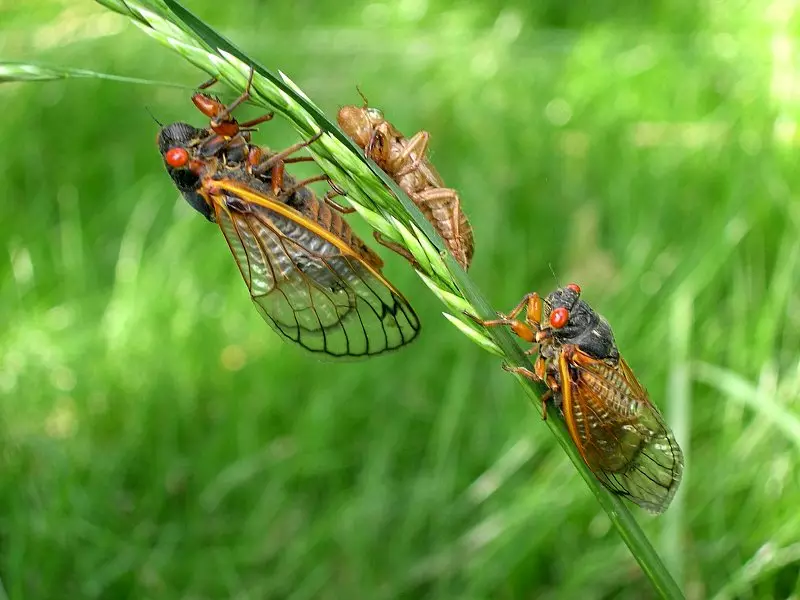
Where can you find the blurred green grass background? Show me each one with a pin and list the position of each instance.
(157, 440)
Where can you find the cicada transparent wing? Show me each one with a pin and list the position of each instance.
(620, 434)
(312, 287)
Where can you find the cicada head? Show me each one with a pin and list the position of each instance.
(177, 135)
(175, 143)
(359, 123)
(572, 321)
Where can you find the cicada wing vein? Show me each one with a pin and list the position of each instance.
(312, 287)
(620, 434)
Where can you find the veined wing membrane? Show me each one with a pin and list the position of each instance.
(307, 283)
(620, 434)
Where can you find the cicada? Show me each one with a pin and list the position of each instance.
(405, 160)
(620, 434)
(311, 278)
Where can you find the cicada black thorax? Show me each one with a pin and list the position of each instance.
(585, 328)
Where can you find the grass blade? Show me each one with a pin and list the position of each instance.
(18, 71)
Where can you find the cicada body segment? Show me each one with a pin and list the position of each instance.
(405, 160)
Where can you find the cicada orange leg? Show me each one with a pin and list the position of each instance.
(530, 331)
(532, 304)
(533, 376)
(221, 115)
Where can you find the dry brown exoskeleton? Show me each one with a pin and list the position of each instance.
(405, 160)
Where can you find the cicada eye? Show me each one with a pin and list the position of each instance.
(559, 317)
(177, 157)
(375, 114)
(575, 288)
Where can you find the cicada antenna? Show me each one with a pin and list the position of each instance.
(555, 277)
(152, 116)
(363, 97)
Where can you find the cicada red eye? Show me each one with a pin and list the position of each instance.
(559, 317)
(177, 157)
(574, 287)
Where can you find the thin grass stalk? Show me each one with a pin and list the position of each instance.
(13, 71)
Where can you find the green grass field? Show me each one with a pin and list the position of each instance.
(157, 440)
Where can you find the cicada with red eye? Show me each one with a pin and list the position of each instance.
(405, 160)
(620, 434)
(311, 278)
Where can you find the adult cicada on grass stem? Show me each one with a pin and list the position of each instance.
(405, 160)
(311, 278)
(620, 434)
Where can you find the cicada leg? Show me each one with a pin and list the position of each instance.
(328, 199)
(450, 201)
(533, 314)
(275, 162)
(208, 84)
(225, 113)
(533, 376)
(307, 181)
(526, 302)
(283, 155)
(222, 121)
(277, 178)
(417, 147)
(378, 146)
(520, 329)
(553, 388)
(523, 371)
(248, 125)
(546, 397)
(395, 247)
(329, 196)
(236, 148)
(540, 368)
